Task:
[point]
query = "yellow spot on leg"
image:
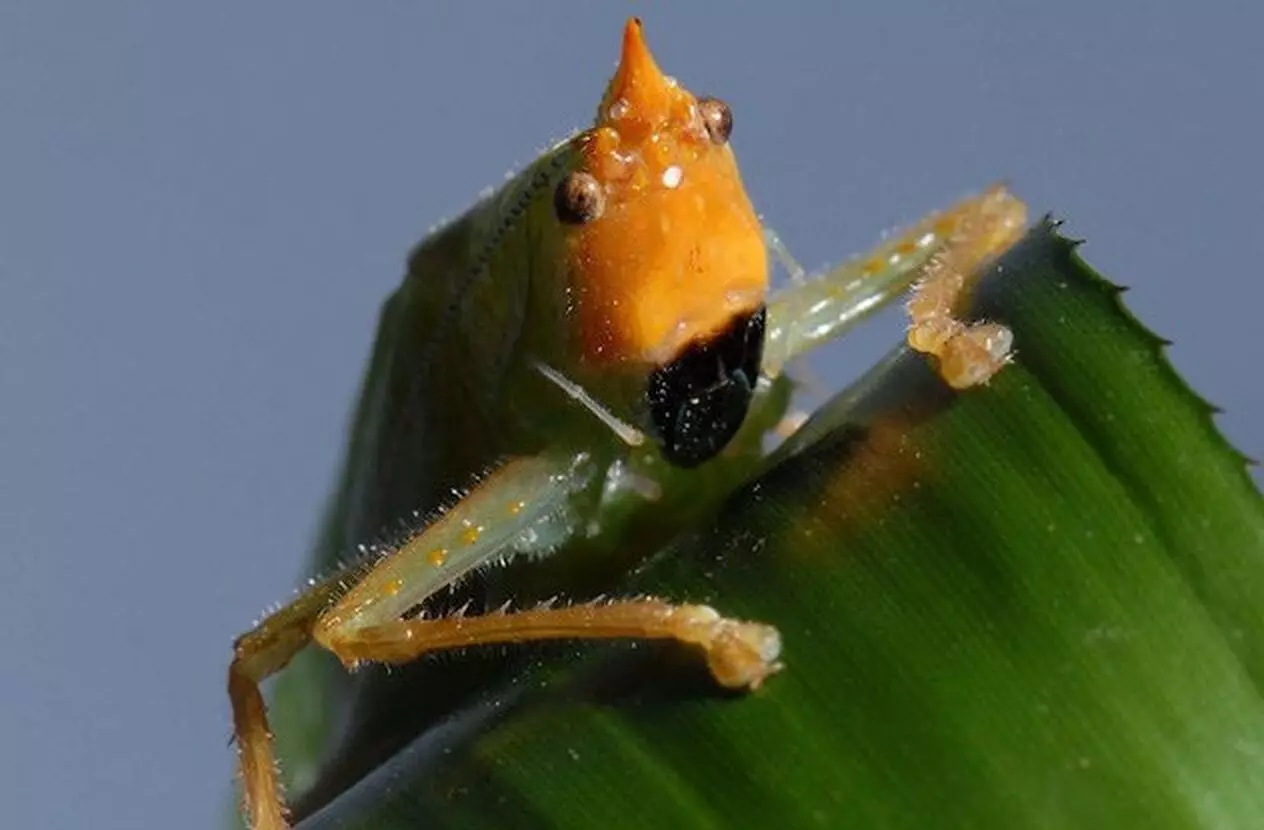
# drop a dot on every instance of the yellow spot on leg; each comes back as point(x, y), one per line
point(437, 557)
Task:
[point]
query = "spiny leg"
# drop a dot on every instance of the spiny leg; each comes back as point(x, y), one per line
point(935, 257)
point(521, 496)
point(366, 624)
point(522, 508)
point(257, 655)
point(739, 654)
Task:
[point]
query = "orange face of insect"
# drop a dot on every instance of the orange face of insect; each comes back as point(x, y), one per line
point(668, 263)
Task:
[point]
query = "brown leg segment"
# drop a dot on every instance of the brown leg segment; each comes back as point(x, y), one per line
point(256, 656)
point(739, 654)
point(262, 801)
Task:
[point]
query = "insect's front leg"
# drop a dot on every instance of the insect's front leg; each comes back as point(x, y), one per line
point(525, 507)
point(522, 506)
point(935, 258)
point(257, 655)
point(516, 511)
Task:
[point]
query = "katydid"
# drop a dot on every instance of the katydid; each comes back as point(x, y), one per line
point(592, 340)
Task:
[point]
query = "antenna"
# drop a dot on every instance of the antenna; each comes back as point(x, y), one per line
point(627, 433)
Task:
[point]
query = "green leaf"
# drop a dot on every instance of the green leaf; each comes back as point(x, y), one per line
point(1034, 605)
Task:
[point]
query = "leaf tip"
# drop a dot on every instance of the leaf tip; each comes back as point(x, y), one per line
point(1048, 231)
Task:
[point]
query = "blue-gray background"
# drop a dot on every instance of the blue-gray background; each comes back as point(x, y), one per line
point(202, 204)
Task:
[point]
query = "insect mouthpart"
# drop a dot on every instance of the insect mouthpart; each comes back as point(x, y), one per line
point(698, 400)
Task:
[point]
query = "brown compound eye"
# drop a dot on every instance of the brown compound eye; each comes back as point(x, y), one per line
point(718, 119)
point(578, 198)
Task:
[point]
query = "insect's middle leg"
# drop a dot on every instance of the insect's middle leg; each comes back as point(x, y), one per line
point(935, 259)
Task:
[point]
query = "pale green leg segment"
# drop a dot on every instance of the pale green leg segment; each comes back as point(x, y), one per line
point(814, 310)
point(934, 261)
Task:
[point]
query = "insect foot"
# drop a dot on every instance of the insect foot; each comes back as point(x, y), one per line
point(978, 353)
point(740, 654)
point(968, 354)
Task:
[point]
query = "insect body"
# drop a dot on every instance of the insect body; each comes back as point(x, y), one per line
point(595, 334)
